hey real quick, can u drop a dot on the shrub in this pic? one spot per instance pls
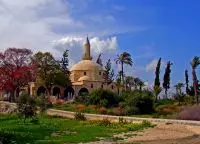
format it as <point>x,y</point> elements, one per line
<point>7,137</point>
<point>191,113</point>
<point>188,100</point>
<point>122,120</point>
<point>138,102</point>
<point>80,108</point>
<point>105,122</point>
<point>26,106</point>
<point>79,116</point>
<point>167,109</point>
<point>119,111</point>
<point>104,98</point>
<point>83,99</point>
<point>43,103</point>
<point>164,102</point>
<point>102,110</point>
<point>146,123</point>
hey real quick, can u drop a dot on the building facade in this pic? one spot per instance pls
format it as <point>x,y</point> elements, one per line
<point>85,76</point>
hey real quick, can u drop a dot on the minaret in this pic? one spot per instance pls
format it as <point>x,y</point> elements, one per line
<point>86,55</point>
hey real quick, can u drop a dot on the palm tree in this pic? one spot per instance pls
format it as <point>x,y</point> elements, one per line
<point>194,64</point>
<point>141,84</point>
<point>136,82</point>
<point>179,93</point>
<point>129,82</point>
<point>124,58</point>
<point>179,87</point>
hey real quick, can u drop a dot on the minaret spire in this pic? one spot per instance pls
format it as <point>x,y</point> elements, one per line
<point>86,55</point>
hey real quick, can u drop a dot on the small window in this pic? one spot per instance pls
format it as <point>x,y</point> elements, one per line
<point>92,86</point>
<point>101,86</point>
<point>85,73</point>
<point>112,87</point>
<point>99,73</point>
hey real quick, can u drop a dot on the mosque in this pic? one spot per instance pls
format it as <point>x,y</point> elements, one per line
<point>85,76</point>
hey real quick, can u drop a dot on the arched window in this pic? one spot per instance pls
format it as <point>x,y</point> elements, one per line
<point>99,73</point>
<point>92,86</point>
<point>83,92</point>
<point>41,90</point>
<point>112,87</point>
<point>102,86</point>
<point>85,73</point>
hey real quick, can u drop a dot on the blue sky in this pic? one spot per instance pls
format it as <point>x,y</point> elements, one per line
<point>153,29</point>
<point>146,29</point>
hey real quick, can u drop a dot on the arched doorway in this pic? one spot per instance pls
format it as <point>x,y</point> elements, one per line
<point>83,92</point>
<point>56,92</point>
<point>69,93</point>
<point>41,90</point>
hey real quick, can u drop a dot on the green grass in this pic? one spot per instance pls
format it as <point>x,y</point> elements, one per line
<point>55,130</point>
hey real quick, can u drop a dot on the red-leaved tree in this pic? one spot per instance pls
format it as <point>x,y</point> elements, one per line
<point>16,70</point>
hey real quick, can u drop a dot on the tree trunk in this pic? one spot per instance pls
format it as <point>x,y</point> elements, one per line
<point>122,73</point>
<point>165,93</point>
<point>49,90</point>
<point>195,84</point>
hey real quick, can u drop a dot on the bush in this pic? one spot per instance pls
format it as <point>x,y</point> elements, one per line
<point>7,137</point>
<point>83,99</point>
<point>167,109</point>
<point>146,123</point>
<point>43,103</point>
<point>102,110</point>
<point>105,122</point>
<point>80,108</point>
<point>164,102</point>
<point>191,113</point>
<point>26,106</point>
<point>119,111</point>
<point>138,102</point>
<point>79,116</point>
<point>122,120</point>
<point>104,98</point>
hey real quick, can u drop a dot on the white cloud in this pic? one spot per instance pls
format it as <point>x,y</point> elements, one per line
<point>75,46</point>
<point>152,65</point>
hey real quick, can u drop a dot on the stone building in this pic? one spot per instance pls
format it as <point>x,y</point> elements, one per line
<point>85,76</point>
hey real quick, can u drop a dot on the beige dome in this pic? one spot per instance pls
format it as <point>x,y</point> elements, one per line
<point>84,78</point>
<point>85,65</point>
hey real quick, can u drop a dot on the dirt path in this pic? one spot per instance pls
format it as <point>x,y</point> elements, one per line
<point>161,134</point>
<point>167,134</point>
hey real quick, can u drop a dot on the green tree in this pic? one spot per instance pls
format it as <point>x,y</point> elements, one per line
<point>136,82</point>
<point>141,84</point>
<point>157,90</point>
<point>26,106</point>
<point>166,79</point>
<point>122,59</point>
<point>99,60</point>
<point>157,73</point>
<point>49,71</point>
<point>118,81</point>
<point>129,82</point>
<point>194,64</point>
<point>179,93</point>
<point>187,81</point>
<point>64,63</point>
<point>108,73</point>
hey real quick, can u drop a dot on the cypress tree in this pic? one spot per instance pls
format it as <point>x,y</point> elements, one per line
<point>157,73</point>
<point>166,78</point>
<point>187,81</point>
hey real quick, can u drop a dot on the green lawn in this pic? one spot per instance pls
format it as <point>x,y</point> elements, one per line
<point>55,130</point>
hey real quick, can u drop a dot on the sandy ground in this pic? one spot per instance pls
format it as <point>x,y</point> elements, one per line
<point>161,134</point>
